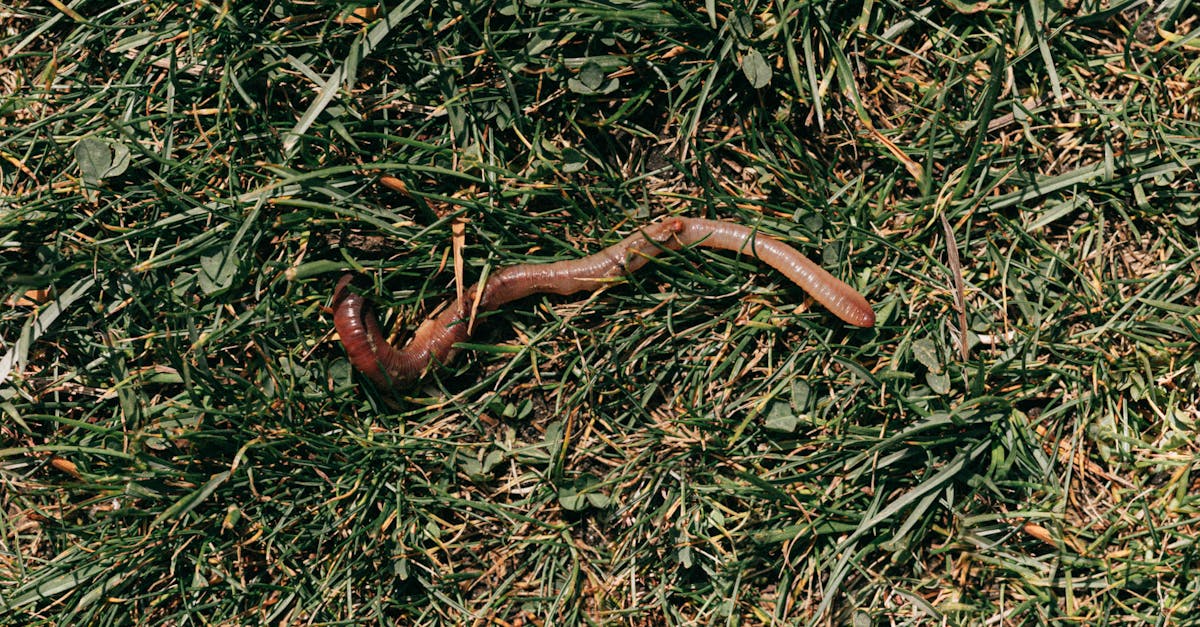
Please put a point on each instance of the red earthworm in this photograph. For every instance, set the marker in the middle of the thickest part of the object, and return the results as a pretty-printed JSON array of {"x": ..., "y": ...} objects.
[{"x": 435, "y": 338}]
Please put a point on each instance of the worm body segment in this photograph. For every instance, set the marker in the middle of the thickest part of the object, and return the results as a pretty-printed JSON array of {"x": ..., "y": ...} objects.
[{"x": 435, "y": 338}]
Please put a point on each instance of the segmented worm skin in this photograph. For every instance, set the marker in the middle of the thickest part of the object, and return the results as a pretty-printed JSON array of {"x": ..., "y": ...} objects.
[{"x": 435, "y": 338}]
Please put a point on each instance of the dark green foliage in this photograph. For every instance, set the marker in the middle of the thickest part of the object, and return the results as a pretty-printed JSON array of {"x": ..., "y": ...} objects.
[{"x": 182, "y": 441}]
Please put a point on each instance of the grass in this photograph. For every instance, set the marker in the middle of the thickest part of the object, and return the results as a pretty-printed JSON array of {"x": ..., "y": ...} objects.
[{"x": 184, "y": 442}]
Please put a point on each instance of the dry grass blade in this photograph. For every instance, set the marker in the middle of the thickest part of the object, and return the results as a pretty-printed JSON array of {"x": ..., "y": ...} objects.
[{"x": 960, "y": 292}]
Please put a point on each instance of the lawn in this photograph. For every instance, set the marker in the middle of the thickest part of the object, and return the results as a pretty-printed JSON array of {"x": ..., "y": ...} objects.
[{"x": 1011, "y": 185}]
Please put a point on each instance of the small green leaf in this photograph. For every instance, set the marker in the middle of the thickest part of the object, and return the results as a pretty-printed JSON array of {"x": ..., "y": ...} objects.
[
  {"x": 480, "y": 471},
  {"x": 584, "y": 492},
  {"x": 473, "y": 468},
  {"x": 939, "y": 382},
  {"x": 781, "y": 418},
  {"x": 549, "y": 147},
  {"x": 471, "y": 156},
  {"x": 573, "y": 160},
  {"x": 592, "y": 80},
  {"x": 216, "y": 272},
  {"x": 94, "y": 158},
  {"x": 491, "y": 460},
  {"x": 99, "y": 159},
  {"x": 800, "y": 394},
  {"x": 572, "y": 500},
  {"x": 755, "y": 67},
  {"x": 1187, "y": 218},
  {"x": 685, "y": 556},
  {"x": 925, "y": 351},
  {"x": 120, "y": 161},
  {"x": 742, "y": 24},
  {"x": 599, "y": 500},
  {"x": 554, "y": 433},
  {"x": 504, "y": 115},
  {"x": 540, "y": 41},
  {"x": 340, "y": 372},
  {"x": 591, "y": 75}
]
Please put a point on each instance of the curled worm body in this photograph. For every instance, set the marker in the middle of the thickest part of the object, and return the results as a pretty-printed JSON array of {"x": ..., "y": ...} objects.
[{"x": 435, "y": 338}]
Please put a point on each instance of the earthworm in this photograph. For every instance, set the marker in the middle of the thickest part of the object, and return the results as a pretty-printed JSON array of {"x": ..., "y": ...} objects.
[{"x": 435, "y": 338}]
